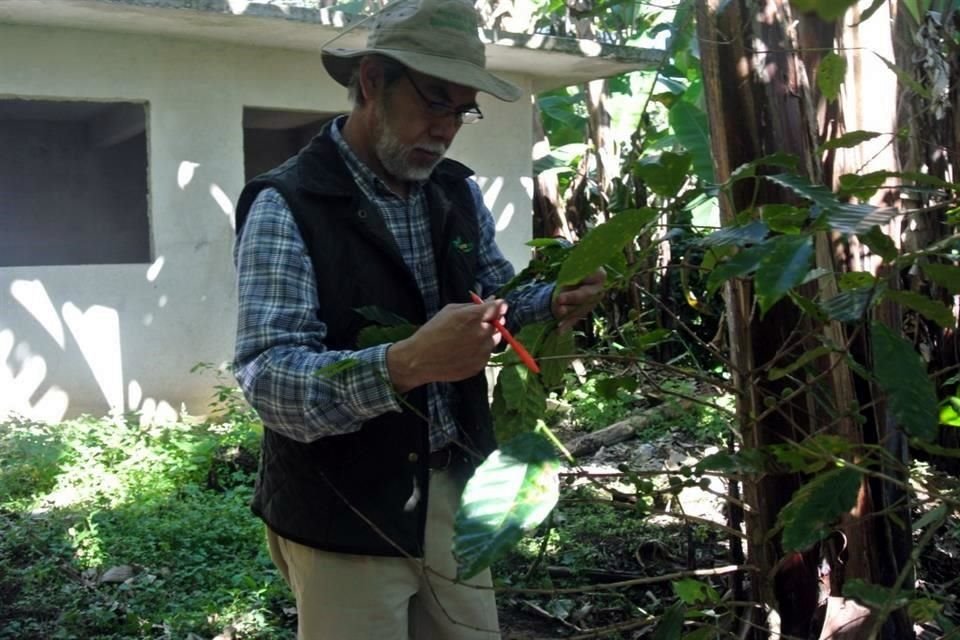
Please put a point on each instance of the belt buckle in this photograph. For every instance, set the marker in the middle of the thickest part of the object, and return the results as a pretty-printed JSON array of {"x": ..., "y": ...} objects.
[{"x": 444, "y": 457}]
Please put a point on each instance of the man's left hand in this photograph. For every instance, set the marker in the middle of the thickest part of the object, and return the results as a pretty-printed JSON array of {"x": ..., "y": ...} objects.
[{"x": 575, "y": 301}]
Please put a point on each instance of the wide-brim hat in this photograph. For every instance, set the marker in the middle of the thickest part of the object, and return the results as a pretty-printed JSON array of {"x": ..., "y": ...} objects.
[{"x": 439, "y": 38}]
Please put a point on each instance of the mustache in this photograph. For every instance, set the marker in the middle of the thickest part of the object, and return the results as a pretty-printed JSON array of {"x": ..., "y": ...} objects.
[{"x": 432, "y": 147}]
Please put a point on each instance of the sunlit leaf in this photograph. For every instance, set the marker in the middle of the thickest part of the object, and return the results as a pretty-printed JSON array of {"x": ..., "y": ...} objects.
[
  {"x": 949, "y": 416},
  {"x": 783, "y": 266},
  {"x": 925, "y": 306},
  {"x": 816, "y": 506},
  {"x": 902, "y": 375},
  {"x": 602, "y": 243},
  {"x": 512, "y": 492},
  {"x": 830, "y": 75}
]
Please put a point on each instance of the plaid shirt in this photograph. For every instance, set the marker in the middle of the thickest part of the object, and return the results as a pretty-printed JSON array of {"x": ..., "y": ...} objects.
[{"x": 280, "y": 342}]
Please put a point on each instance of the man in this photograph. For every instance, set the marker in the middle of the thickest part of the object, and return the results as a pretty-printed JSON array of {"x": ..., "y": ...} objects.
[{"x": 362, "y": 469}]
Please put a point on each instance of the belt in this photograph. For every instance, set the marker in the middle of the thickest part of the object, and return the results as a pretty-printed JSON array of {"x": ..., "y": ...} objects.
[{"x": 445, "y": 458}]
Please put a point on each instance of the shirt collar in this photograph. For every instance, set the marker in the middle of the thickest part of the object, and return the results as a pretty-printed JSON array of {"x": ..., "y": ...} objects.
[{"x": 365, "y": 177}]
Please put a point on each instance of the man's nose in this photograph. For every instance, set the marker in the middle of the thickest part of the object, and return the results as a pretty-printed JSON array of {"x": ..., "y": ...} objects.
[{"x": 445, "y": 128}]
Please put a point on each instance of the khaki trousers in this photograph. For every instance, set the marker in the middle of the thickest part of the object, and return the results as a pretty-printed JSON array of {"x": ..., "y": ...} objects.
[{"x": 352, "y": 597}]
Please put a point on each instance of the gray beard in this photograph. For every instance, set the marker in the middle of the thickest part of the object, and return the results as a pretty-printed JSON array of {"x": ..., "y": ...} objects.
[{"x": 395, "y": 155}]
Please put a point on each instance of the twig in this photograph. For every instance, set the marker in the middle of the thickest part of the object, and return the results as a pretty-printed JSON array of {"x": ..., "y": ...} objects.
[{"x": 667, "y": 577}]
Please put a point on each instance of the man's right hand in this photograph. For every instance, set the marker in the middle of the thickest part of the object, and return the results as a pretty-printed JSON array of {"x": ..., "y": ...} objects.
[{"x": 453, "y": 345}]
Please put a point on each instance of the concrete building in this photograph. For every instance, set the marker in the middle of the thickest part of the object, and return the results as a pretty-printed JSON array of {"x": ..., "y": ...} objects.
[{"x": 127, "y": 130}]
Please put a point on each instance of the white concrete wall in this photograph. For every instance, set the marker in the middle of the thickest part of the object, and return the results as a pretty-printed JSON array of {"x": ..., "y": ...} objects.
[{"x": 88, "y": 338}]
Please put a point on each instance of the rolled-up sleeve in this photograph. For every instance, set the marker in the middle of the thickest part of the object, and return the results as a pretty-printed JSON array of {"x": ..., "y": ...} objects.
[{"x": 280, "y": 350}]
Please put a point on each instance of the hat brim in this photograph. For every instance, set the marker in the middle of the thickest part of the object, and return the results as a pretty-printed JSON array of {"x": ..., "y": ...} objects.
[{"x": 339, "y": 63}]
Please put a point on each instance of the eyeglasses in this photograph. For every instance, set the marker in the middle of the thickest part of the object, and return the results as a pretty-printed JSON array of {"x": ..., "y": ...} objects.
[{"x": 467, "y": 115}]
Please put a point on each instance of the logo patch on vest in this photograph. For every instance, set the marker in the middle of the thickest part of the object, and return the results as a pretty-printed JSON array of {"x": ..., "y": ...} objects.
[{"x": 461, "y": 245}]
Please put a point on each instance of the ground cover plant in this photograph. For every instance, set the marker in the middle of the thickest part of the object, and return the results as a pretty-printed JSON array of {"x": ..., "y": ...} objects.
[{"x": 110, "y": 529}]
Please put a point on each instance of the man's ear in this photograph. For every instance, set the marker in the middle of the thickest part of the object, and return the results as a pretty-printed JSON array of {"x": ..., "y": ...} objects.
[{"x": 371, "y": 78}]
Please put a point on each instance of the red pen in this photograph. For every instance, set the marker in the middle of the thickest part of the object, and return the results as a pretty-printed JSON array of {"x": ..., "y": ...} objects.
[{"x": 518, "y": 348}]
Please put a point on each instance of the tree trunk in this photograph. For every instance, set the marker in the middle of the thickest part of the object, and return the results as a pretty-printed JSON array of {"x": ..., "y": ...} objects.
[{"x": 759, "y": 62}]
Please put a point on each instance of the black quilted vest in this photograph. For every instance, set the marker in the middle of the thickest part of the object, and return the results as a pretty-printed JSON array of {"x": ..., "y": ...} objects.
[{"x": 347, "y": 493}]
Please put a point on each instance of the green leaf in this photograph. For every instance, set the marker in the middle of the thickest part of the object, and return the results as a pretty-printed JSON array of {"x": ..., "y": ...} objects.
[
  {"x": 927, "y": 307},
  {"x": 519, "y": 401},
  {"x": 934, "y": 515},
  {"x": 751, "y": 233},
  {"x": 872, "y": 9},
  {"x": 372, "y": 336},
  {"x": 880, "y": 243},
  {"x": 690, "y": 126},
  {"x": 906, "y": 78},
  {"x": 874, "y": 596},
  {"x": 740, "y": 265},
  {"x": 671, "y": 624},
  {"x": 554, "y": 363},
  {"x": 664, "y": 173},
  {"x": 783, "y": 266},
  {"x": 802, "y": 361},
  {"x": 381, "y": 316},
  {"x": 511, "y": 493},
  {"x": 852, "y": 305},
  {"x": 749, "y": 169},
  {"x": 949, "y": 416},
  {"x": 829, "y": 10},
  {"x": 559, "y": 159},
  {"x": 862, "y": 186},
  {"x": 843, "y": 217},
  {"x": 784, "y": 218},
  {"x": 913, "y": 8},
  {"x": 848, "y": 140},
  {"x": 602, "y": 243},
  {"x": 830, "y": 75},
  {"x": 815, "y": 506},
  {"x": 609, "y": 388},
  {"x": 744, "y": 461},
  {"x": 924, "y": 609},
  {"x": 945, "y": 275},
  {"x": 650, "y": 339},
  {"x": 857, "y": 280},
  {"x": 692, "y": 591},
  {"x": 902, "y": 375}
]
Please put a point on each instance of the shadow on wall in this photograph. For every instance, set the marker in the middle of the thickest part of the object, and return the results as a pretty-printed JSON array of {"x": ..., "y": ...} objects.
[{"x": 50, "y": 347}]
